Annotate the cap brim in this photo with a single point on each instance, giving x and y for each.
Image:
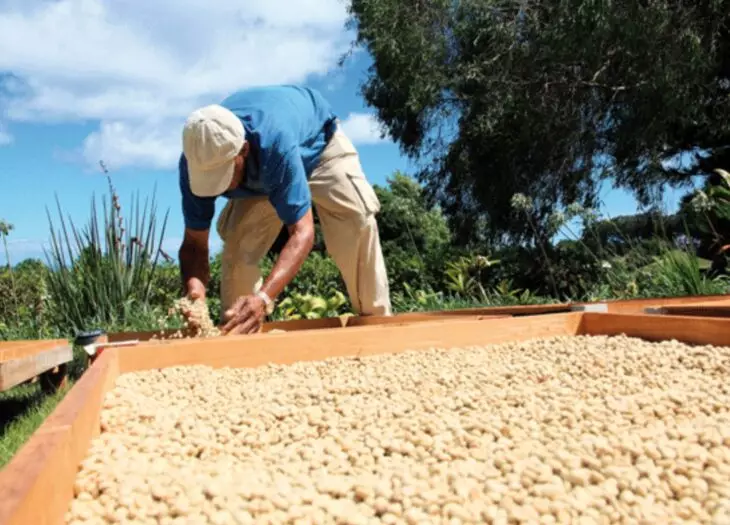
(214, 182)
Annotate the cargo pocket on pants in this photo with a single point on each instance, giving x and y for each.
(367, 194)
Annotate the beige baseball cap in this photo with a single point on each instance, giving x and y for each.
(212, 137)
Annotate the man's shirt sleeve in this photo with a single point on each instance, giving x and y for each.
(288, 188)
(197, 211)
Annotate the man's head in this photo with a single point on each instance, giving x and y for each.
(215, 146)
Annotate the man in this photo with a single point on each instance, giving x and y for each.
(272, 152)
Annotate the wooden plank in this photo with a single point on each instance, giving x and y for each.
(33, 363)
(692, 330)
(629, 306)
(405, 319)
(614, 306)
(720, 310)
(287, 326)
(37, 484)
(16, 349)
(299, 325)
(285, 348)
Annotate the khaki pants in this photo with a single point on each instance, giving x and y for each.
(346, 204)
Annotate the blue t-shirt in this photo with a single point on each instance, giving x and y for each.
(287, 128)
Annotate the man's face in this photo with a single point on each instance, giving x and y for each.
(239, 169)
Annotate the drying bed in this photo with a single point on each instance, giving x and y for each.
(507, 418)
(21, 361)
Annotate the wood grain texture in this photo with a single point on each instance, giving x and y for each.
(406, 319)
(15, 349)
(299, 325)
(516, 311)
(36, 486)
(614, 306)
(285, 348)
(692, 330)
(32, 361)
(637, 306)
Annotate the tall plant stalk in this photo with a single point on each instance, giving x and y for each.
(103, 274)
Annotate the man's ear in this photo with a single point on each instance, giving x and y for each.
(244, 150)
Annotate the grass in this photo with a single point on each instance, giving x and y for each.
(22, 410)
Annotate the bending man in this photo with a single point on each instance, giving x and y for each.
(272, 152)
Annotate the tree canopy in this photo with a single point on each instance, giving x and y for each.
(548, 98)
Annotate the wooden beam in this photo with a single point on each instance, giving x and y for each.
(696, 311)
(22, 362)
(410, 318)
(637, 306)
(285, 348)
(37, 484)
(692, 330)
(15, 349)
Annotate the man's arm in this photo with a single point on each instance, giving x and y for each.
(292, 256)
(246, 314)
(193, 254)
(289, 194)
(194, 265)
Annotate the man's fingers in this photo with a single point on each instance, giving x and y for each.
(230, 314)
(231, 324)
(249, 325)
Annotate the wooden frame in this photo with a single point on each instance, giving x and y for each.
(37, 485)
(614, 306)
(696, 308)
(21, 361)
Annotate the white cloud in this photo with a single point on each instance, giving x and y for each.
(121, 144)
(139, 67)
(362, 128)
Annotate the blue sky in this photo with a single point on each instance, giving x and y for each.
(113, 81)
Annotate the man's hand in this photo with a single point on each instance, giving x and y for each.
(245, 316)
(248, 313)
(195, 291)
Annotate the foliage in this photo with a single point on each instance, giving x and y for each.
(678, 273)
(547, 98)
(104, 274)
(707, 212)
(414, 235)
(26, 314)
(307, 306)
(575, 255)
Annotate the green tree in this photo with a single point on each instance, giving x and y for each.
(548, 98)
(414, 235)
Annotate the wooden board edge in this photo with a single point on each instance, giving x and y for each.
(613, 306)
(289, 347)
(37, 484)
(687, 329)
(629, 306)
(722, 311)
(10, 350)
(407, 319)
(514, 310)
(299, 326)
(16, 371)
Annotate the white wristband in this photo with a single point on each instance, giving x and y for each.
(267, 301)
